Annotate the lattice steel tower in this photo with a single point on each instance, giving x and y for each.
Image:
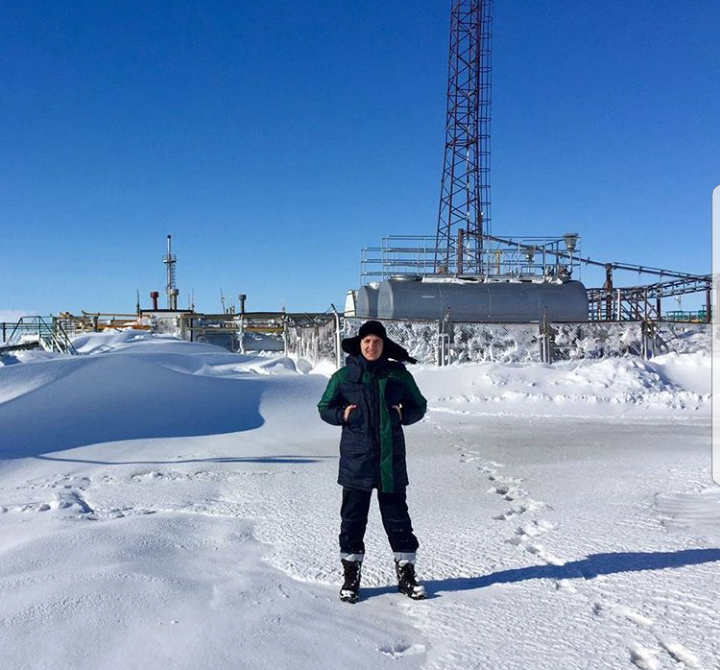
(170, 289)
(464, 215)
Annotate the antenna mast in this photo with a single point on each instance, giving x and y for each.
(170, 289)
(465, 191)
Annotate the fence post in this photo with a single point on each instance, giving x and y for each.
(546, 341)
(647, 328)
(444, 335)
(285, 334)
(338, 349)
(443, 354)
(241, 333)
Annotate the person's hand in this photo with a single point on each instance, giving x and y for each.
(399, 410)
(346, 413)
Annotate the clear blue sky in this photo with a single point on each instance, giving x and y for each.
(273, 140)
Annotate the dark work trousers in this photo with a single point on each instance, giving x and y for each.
(395, 518)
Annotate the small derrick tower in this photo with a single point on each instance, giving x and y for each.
(464, 216)
(170, 289)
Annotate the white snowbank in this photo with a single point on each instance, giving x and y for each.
(677, 381)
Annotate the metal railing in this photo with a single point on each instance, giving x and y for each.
(30, 332)
(500, 257)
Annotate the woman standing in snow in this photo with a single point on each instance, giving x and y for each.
(372, 397)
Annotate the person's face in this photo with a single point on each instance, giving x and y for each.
(371, 347)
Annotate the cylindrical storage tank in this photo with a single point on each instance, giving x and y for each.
(483, 302)
(366, 305)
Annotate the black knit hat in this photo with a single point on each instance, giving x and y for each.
(351, 345)
(372, 328)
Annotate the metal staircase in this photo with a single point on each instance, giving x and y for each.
(32, 332)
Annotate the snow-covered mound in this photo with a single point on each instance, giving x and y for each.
(130, 385)
(673, 381)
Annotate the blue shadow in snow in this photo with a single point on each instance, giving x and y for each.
(587, 568)
(270, 460)
(123, 398)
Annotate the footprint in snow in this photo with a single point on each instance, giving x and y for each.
(503, 479)
(680, 654)
(565, 585)
(517, 510)
(509, 493)
(643, 658)
(399, 650)
(524, 533)
(540, 551)
(628, 613)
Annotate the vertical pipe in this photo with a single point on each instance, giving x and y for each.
(460, 243)
(608, 286)
(644, 340)
(708, 306)
(338, 347)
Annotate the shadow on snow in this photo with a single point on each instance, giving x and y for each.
(110, 399)
(270, 460)
(587, 568)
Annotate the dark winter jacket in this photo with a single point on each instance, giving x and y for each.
(372, 446)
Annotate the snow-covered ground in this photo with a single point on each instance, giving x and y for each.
(170, 505)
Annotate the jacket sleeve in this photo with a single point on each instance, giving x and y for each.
(331, 405)
(414, 405)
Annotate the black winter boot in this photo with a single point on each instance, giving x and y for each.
(407, 583)
(351, 586)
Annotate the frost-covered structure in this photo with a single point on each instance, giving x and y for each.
(521, 342)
